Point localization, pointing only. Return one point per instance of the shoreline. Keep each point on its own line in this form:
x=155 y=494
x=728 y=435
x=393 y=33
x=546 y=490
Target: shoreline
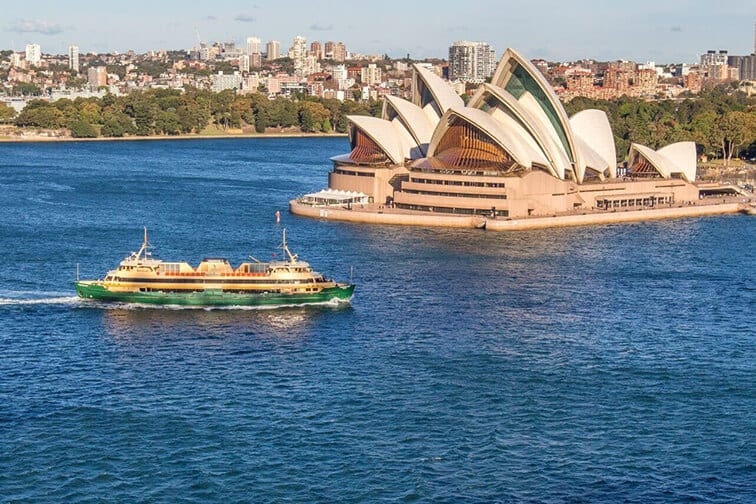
x=45 y=139
x=390 y=217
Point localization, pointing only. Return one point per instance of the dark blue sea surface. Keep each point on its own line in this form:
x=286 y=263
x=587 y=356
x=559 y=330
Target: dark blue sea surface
x=610 y=363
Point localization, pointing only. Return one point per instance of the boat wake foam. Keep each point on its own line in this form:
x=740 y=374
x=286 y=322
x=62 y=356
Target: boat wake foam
x=333 y=303
x=19 y=298
x=66 y=300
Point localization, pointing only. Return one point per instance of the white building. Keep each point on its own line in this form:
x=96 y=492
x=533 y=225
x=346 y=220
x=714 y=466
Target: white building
x=311 y=65
x=33 y=54
x=273 y=50
x=73 y=58
x=341 y=75
x=339 y=72
x=370 y=75
x=97 y=77
x=244 y=63
x=221 y=81
x=298 y=55
x=401 y=66
x=713 y=58
x=251 y=83
x=253 y=45
x=471 y=61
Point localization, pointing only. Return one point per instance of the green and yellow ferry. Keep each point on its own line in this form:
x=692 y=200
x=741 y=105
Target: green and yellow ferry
x=140 y=278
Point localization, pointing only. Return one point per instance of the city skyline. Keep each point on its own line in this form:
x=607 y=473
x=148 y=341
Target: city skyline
x=676 y=31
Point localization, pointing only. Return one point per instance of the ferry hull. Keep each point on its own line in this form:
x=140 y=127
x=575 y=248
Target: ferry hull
x=98 y=292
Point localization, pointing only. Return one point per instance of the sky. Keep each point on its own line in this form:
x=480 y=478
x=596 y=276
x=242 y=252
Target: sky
x=664 y=31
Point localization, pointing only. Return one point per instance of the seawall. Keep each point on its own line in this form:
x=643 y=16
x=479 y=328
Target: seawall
x=389 y=216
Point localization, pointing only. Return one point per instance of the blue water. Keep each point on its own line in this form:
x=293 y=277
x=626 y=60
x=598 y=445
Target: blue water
x=611 y=363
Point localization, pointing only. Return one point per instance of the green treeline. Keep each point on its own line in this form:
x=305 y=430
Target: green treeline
x=721 y=120
x=171 y=112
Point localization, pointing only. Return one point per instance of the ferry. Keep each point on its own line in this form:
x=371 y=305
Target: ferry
x=140 y=278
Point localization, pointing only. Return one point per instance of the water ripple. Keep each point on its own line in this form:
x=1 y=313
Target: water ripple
x=611 y=364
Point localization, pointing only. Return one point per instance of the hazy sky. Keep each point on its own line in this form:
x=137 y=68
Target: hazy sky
x=641 y=30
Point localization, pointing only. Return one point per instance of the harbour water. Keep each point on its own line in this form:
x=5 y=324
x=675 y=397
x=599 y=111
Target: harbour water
x=609 y=363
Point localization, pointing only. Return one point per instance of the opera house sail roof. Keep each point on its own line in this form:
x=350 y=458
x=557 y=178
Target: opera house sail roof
x=430 y=148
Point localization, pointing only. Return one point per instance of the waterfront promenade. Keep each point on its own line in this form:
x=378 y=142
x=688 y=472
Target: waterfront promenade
x=380 y=214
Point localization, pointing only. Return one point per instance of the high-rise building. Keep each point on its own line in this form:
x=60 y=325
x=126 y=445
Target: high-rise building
x=339 y=52
x=33 y=54
x=645 y=79
x=471 y=61
x=97 y=76
x=310 y=65
x=618 y=78
x=316 y=49
x=298 y=54
x=244 y=63
x=579 y=80
x=712 y=58
x=253 y=45
x=273 y=49
x=746 y=66
x=370 y=75
x=693 y=81
x=328 y=50
x=73 y=58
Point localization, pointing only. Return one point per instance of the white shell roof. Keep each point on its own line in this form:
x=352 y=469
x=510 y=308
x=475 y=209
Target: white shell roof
x=383 y=133
x=678 y=157
x=594 y=131
x=682 y=155
x=501 y=77
x=539 y=128
x=413 y=116
x=593 y=159
x=511 y=140
x=661 y=163
x=442 y=92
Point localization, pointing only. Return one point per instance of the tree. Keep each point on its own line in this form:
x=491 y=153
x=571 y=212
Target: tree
x=26 y=89
x=241 y=110
x=89 y=111
x=82 y=129
x=312 y=116
x=375 y=107
x=168 y=122
x=143 y=109
x=194 y=109
x=6 y=113
x=117 y=124
x=41 y=116
x=261 y=107
x=221 y=107
x=334 y=109
x=704 y=131
x=734 y=129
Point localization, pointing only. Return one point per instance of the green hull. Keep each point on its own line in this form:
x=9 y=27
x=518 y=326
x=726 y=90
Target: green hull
x=213 y=298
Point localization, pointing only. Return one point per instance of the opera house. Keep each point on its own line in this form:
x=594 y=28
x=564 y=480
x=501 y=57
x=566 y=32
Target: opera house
x=511 y=152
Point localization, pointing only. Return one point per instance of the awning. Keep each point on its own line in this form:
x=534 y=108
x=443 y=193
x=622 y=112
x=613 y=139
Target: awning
x=328 y=197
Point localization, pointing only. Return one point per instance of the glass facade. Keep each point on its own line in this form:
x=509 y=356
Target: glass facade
x=520 y=82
